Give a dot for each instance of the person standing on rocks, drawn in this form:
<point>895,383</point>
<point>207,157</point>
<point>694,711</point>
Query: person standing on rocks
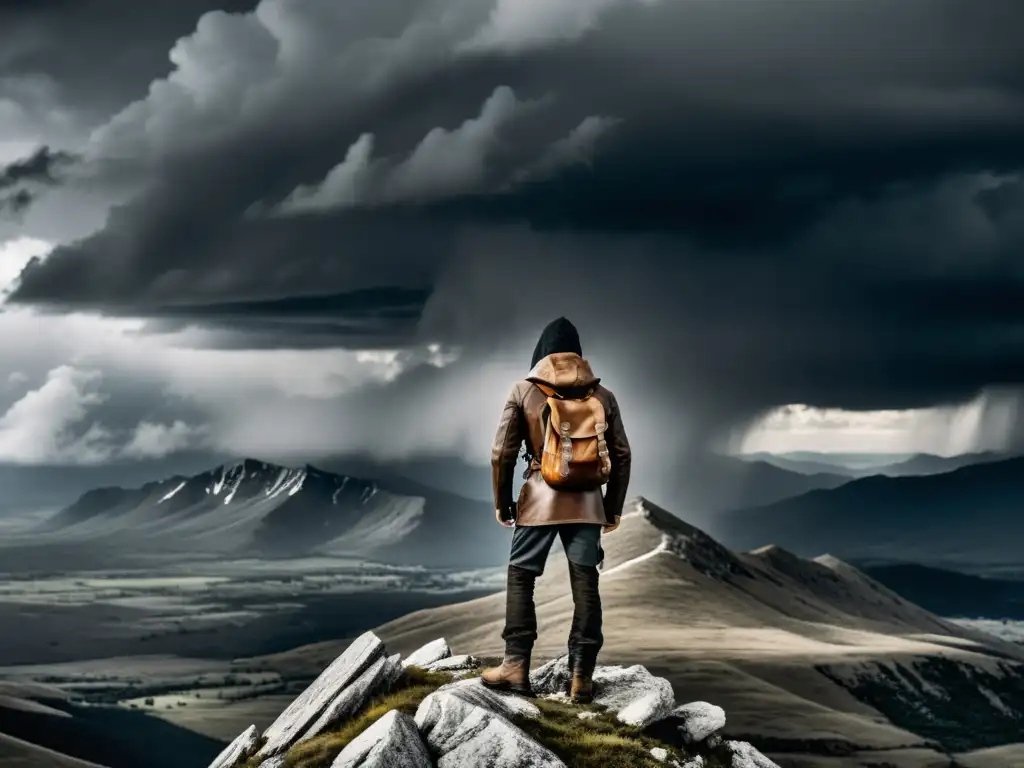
<point>575,444</point>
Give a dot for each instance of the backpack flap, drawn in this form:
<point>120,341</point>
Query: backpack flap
<point>575,453</point>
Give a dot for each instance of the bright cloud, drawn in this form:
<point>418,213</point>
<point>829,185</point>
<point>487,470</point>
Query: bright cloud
<point>50,424</point>
<point>984,424</point>
<point>154,441</point>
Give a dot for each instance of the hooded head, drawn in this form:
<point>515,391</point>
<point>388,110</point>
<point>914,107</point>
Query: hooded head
<point>559,336</point>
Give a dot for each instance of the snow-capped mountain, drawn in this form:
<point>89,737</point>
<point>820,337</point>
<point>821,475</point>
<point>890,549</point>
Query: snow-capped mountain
<point>256,508</point>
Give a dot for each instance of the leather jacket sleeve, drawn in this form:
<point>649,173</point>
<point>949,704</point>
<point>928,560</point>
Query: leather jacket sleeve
<point>618,449</point>
<point>505,452</point>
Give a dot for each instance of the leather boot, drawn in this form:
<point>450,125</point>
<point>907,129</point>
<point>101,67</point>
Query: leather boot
<point>513,675</point>
<point>581,686</point>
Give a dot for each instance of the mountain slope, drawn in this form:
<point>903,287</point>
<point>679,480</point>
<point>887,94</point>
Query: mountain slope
<point>709,483</point>
<point>950,593</point>
<point>15,753</point>
<point>968,518</point>
<point>41,728</point>
<point>253,508</point>
<point>783,644</point>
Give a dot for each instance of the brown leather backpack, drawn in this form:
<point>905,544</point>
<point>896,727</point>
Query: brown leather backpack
<point>575,455</point>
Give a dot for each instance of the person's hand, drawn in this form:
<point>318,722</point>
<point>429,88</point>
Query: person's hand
<point>610,528</point>
<point>506,517</point>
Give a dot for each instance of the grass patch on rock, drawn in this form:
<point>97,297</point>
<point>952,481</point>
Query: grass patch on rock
<point>412,687</point>
<point>599,741</point>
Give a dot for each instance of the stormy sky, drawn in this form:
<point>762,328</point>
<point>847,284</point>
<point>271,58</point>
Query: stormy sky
<point>301,226</point>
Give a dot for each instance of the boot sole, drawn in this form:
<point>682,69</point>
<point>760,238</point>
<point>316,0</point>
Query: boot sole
<point>507,687</point>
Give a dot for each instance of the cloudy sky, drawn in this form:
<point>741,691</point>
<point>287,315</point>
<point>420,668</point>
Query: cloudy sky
<point>297,227</point>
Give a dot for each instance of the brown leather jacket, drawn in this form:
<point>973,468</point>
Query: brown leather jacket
<point>540,504</point>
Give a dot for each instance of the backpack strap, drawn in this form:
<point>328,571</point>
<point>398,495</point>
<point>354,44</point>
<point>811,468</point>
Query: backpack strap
<point>551,392</point>
<point>548,391</point>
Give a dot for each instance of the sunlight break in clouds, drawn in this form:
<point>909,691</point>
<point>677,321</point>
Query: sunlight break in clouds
<point>518,24</point>
<point>14,255</point>
<point>984,424</point>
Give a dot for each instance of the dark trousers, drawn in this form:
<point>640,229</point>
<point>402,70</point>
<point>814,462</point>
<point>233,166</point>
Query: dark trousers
<point>530,548</point>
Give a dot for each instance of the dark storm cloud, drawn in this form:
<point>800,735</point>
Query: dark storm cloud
<point>792,202</point>
<point>42,167</point>
<point>19,179</point>
<point>374,317</point>
<point>98,53</point>
<point>16,203</point>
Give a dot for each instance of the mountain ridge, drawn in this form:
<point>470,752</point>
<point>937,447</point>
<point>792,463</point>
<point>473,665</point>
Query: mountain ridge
<point>253,507</point>
<point>792,648</point>
<point>965,518</point>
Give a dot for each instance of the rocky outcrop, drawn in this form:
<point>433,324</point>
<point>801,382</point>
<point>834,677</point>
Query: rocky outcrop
<point>243,746</point>
<point>463,724</point>
<point>310,705</point>
<point>394,741</point>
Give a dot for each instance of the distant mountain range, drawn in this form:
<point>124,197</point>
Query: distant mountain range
<point>867,464</point>
<point>255,508</point>
<point>970,519</point>
<point>949,593</point>
<point>707,482</point>
<point>43,488</point>
<point>710,483</point>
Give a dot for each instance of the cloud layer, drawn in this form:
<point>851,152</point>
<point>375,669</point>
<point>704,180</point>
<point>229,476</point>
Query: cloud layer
<point>743,205</point>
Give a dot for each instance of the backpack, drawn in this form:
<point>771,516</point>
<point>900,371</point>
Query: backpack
<point>575,454</point>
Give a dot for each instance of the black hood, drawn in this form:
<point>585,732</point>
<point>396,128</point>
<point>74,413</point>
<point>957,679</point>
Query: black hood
<point>559,336</point>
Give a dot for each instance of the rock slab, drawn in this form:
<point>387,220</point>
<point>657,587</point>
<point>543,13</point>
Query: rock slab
<point>635,695</point>
<point>310,704</point>
<point>698,720</point>
<point>454,664</point>
<point>350,700</point>
<point>465,734</point>
<point>508,705</point>
<point>243,746</point>
<point>745,756</point>
<point>392,672</point>
<point>394,741</point>
<point>431,653</point>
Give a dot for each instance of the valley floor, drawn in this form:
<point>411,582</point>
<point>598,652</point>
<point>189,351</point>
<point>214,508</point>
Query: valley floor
<point>154,642</point>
